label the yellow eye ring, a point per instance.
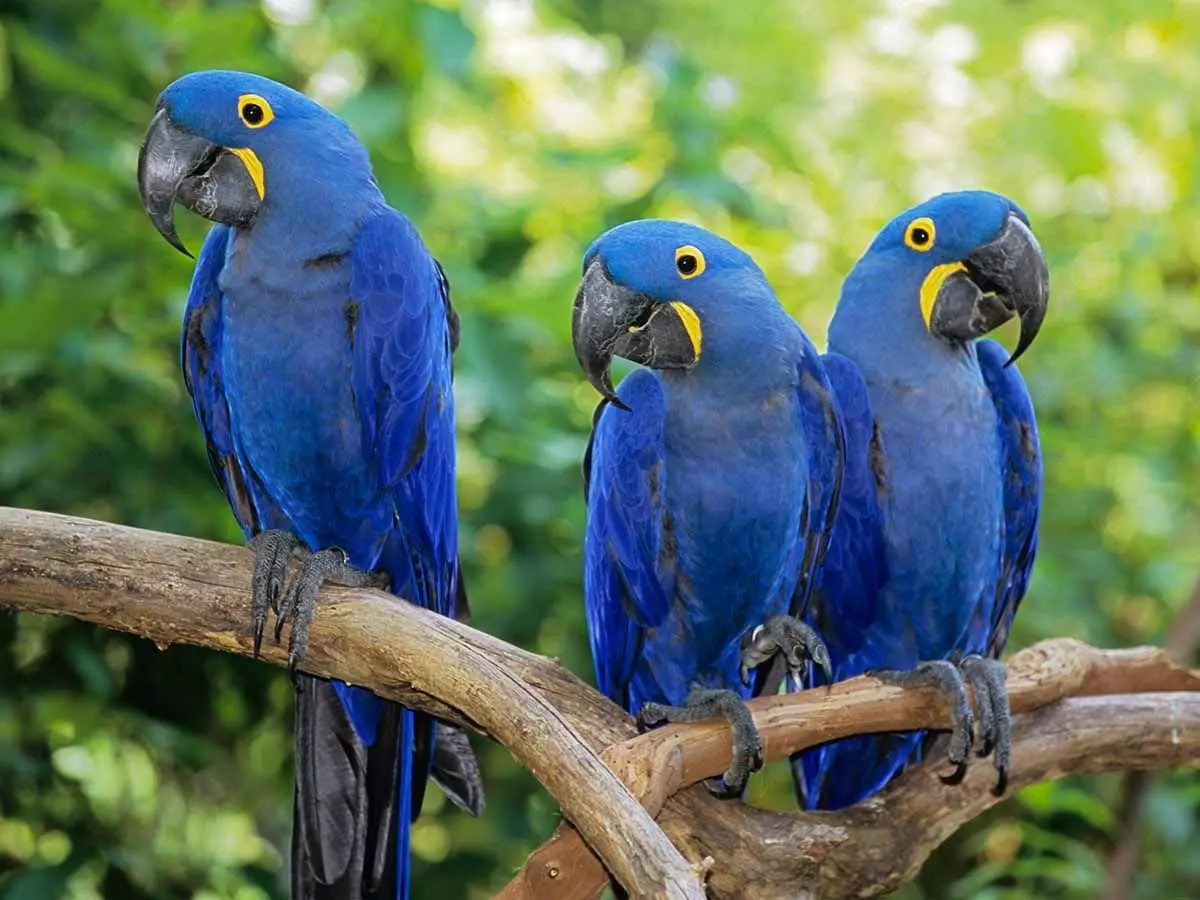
(920, 234)
(689, 262)
(255, 111)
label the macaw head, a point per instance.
(226, 145)
(657, 293)
(951, 269)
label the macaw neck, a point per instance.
(744, 354)
(878, 325)
(744, 358)
(315, 204)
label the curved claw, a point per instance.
(795, 639)
(820, 655)
(300, 599)
(955, 777)
(723, 788)
(707, 703)
(1001, 782)
(651, 715)
(946, 678)
(986, 744)
(987, 679)
(272, 551)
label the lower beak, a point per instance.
(175, 166)
(1007, 276)
(610, 320)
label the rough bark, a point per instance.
(1129, 709)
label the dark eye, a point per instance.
(689, 261)
(920, 234)
(254, 111)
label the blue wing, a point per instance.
(403, 330)
(200, 359)
(1021, 458)
(825, 444)
(855, 567)
(825, 440)
(845, 608)
(402, 334)
(629, 564)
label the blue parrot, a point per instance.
(936, 532)
(711, 477)
(316, 348)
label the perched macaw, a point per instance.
(711, 476)
(317, 348)
(937, 528)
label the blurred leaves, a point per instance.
(513, 132)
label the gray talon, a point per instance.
(272, 551)
(300, 600)
(796, 640)
(708, 703)
(987, 679)
(945, 677)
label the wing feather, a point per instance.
(629, 558)
(1021, 458)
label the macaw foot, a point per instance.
(788, 635)
(948, 681)
(987, 679)
(706, 703)
(299, 602)
(272, 551)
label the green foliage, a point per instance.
(513, 132)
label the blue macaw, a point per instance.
(317, 348)
(936, 532)
(695, 498)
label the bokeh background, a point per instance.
(513, 132)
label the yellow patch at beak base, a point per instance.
(691, 323)
(933, 283)
(254, 168)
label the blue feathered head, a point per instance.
(949, 270)
(665, 294)
(228, 144)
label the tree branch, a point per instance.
(1183, 638)
(180, 590)
(661, 762)
(172, 589)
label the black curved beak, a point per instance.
(1007, 276)
(610, 320)
(177, 167)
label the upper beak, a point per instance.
(610, 320)
(1007, 276)
(175, 166)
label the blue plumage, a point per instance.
(708, 498)
(317, 350)
(937, 527)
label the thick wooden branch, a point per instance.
(878, 845)
(180, 590)
(172, 589)
(658, 764)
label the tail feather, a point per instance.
(361, 770)
(455, 768)
(362, 766)
(456, 771)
